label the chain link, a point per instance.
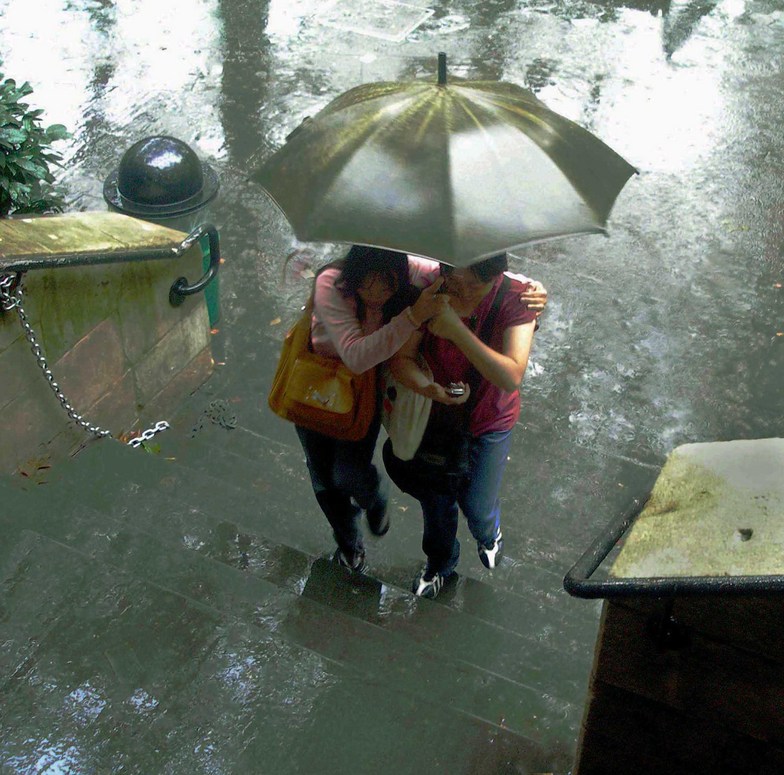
(7, 300)
(11, 298)
(159, 426)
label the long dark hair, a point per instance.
(361, 261)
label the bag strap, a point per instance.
(307, 312)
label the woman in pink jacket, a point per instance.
(366, 307)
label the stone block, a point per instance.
(65, 304)
(707, 680)
(184, 382)
(10, 330)
(40, 239)
(21, 374)
(172, 353)
(91, 366)
(145, 314)
(717, 509)
(116, 410)
(643, 731)
(754, 623)
(111, 338)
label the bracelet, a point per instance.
(410, 316)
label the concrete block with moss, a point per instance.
(96, 291)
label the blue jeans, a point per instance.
(477, 498)
(340, 471)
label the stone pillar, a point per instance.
(694, 684)
(122, 354)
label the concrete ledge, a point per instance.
(717, 509)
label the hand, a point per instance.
(438, 393)
(534, 297)
(430, 302)
(446, 324)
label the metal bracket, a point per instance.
(180, 287)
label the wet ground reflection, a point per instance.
(670, 331)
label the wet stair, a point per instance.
(180, 612)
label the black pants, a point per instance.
(340, 471)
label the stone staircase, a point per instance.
(180, 612)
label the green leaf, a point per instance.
(25, 154)
(56, 132)
(13, 135)
(31, 166)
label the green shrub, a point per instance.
(26, 182)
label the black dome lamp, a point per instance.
(160, 177)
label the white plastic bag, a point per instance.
(404, 413)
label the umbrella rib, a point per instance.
(413, 106)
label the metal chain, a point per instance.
(159, 426)
(11, 298)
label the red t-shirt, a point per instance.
(494, 408)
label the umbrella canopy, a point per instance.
(455, 172)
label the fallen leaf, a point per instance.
(275, 322)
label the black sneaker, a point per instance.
(428, 584)
(378, 519)
(491, 555)
(354, 561)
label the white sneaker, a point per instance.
(491, 555)
(427, 584)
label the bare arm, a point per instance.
(405, 368)
(505, 369)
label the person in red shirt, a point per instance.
(493, 369)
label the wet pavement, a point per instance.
(669, 331)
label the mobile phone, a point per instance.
(455, 389)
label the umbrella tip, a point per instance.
(441, 69)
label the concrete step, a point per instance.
(459, 616)
(392, 665)
(241, 459)
(381, 654)
(260, 437)
(445, 625)
(99, 689)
